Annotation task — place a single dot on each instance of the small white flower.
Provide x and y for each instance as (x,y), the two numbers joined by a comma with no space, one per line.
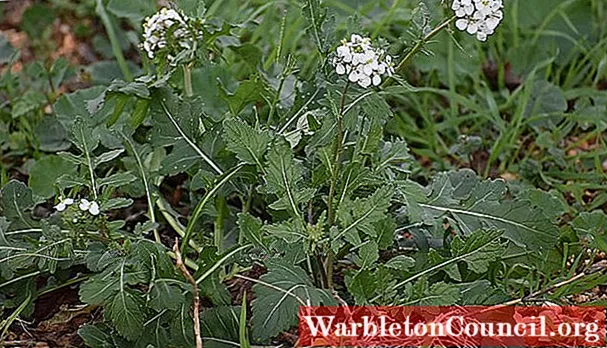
(157,28)
(63,204)
(91,207)
(478,17)
(361,62)
(462,7)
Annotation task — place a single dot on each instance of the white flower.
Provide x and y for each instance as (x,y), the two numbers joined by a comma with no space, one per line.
(478,17)
(63,204)
(462,7)
(167,22)
(91,207)
(361,62)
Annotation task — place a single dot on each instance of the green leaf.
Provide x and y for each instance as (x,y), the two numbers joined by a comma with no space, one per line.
(362,215)
(192,8)
(116,203)
(70,106)
(99,257)
(132,9)
(36,19)
(7,51)
(117,180)
(82,135)
(392,154)
(126,313)
(45,173)
(250,54)
(184,122)
(212,286)
(122,90)
(250,228)
(107,156)
(165,295)
(16,199)
(99,288)
(478,205)
(368,254)
(222,324)
(362,286)
(182,327)
(274,310)
(155,334)
(29,102)
(319,24)
(439,294)
(353,177)
(546,98)
(592,226)
(481,292)
(99,336)
(284,178)
(478,262)
(292,231)
(248,144)
(247,92)
(401,263)
(182,158)
(69,181)
(51,135)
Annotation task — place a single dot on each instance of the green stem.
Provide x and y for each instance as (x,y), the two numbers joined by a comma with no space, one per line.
(336,166)
(146,186)
(111,33)
(222,212)
(337,154)
(283,77)
(187,80)
(420,44)
(189,231)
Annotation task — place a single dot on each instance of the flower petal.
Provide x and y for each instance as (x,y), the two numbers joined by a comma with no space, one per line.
(94,209)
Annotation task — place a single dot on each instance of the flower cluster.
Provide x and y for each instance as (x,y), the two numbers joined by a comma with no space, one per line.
(363,63)
(168,31)
(85,205)
(479,17)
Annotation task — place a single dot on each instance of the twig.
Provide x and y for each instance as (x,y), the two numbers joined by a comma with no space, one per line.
(192,281)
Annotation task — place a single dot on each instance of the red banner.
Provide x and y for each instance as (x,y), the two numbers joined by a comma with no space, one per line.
(470,326)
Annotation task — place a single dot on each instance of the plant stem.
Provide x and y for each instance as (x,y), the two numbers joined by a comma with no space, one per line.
(146,186)
(337,154)
(187,80)
(222,212)
(111,33)
(184,271)
(336,165)
(420,44)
